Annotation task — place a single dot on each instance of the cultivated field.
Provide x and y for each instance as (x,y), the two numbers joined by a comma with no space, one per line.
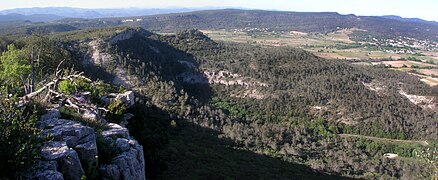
(338,45)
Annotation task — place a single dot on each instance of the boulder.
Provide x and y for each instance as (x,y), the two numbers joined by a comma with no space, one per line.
(127,98)
(125,118)
(54,150)
(48,175)
(87,151)
(91,115)
(43,170)
(51,114)
(66,158)
(74,148)
(77,136)
(127,165)
(70,166)
(122,144)
(115,131)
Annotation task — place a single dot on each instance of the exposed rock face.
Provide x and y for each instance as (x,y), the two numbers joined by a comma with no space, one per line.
(127,98)
(100,58)
(79,137)
(425,102)
(124,35)
(75,147)
(115,130)
(129,163)
(44,170)
(66,158)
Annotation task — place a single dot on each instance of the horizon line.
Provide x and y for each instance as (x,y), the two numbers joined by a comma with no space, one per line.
(206,8)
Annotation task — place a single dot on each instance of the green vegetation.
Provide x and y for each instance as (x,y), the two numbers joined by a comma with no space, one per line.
(66,87)
(230,108)
(69,113)
(208,130)
(97,89)
(116,110)
(14,68)
(205,153)
(19,138)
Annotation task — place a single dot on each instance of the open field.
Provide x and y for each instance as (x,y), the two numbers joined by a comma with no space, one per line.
(350,54)
(293,38)
(430,81)
(431,72)
(338,45)
(399,64)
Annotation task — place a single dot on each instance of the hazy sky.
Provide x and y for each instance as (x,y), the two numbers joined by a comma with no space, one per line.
(426,9)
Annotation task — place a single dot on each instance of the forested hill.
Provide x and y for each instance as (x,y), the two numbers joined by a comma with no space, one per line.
(274,20)
(254,20)
(208,109)
(281,102)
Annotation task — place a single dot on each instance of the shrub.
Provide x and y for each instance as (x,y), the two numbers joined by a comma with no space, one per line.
(66,87)
(116,110)
(13,66)
(96,90)
(19,141)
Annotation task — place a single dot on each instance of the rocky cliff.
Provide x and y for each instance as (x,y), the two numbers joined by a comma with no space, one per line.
(85,145)
(75,147)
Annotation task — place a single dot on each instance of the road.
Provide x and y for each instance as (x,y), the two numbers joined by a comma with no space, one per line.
(424,143)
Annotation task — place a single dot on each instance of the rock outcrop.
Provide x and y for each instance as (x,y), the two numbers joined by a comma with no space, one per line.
(129,164)
(127,98)
(74,148)
(67,159)
(124,35)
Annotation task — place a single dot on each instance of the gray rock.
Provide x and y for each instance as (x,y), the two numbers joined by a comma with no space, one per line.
(70,166)
(127,116)
(77,136)
(67,130)
(67,159)
(110,171)
(51,114)
(87,151)
(127,98)
(48,175)
(43,170)
(122,144)
(127,165)
(91,115)
(115,131)
(75,144)
(54,150)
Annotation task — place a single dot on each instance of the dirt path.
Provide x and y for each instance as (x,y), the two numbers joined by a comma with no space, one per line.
(424,143)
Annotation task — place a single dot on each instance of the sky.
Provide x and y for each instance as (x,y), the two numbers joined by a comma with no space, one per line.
(425,9)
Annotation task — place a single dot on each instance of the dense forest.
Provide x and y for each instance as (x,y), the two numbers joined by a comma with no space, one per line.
(209,109)
(253,20)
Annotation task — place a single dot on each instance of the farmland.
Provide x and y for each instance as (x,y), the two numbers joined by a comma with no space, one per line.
(416,57)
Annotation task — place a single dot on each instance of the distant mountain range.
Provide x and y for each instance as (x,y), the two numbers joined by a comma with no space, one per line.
(173,20)
(38,14)
(44,14)
(34,17)
(417,20)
